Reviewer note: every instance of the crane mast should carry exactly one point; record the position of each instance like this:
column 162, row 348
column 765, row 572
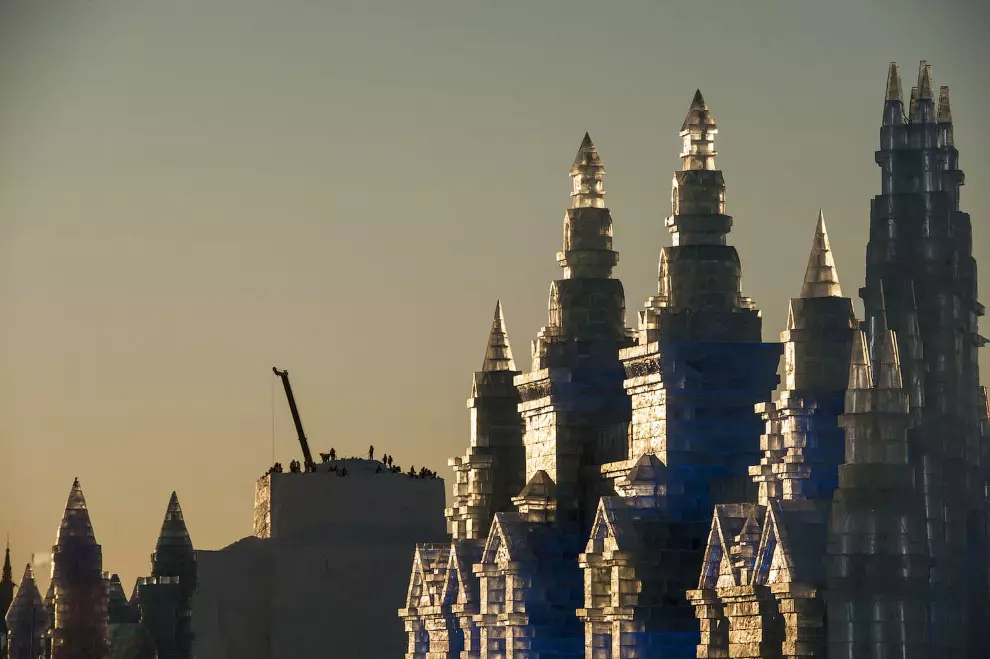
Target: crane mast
column 284, row 376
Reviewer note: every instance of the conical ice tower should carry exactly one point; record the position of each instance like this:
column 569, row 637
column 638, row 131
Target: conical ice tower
column 80, row 593
column 27, row 620
column 174, row 562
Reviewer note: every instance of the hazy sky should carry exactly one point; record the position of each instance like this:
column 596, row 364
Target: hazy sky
column 193, row 191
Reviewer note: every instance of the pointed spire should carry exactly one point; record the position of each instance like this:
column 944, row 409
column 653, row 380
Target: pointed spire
column 174, row 533
column 498, row 354
column 75, row 520
column 698, row 134
column 887, row 367
column 876, row 322
column 820, row 278
column 893, row 106
column 8, row 574
column 860, row 372
column 926, row 90
column 944, row 118
column 912, row 103
column 894, row 84
column 698, row 113
column 944, row 107
column 923, row 110
column 27, row 611
column 587, row 177
column 913, row 368
column 118, row 610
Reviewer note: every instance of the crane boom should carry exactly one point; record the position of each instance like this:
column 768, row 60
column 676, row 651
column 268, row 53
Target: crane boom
column 284, row 376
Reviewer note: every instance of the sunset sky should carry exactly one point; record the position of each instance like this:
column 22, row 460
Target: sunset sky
column 193, row 191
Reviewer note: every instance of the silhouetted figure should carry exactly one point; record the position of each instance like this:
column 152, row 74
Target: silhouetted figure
column 371, row 452
column 325, row 457
column 294, row 466
column 333, row 454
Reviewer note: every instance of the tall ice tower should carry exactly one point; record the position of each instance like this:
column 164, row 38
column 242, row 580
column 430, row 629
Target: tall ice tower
column 573, row 404
column 700, row 366
column 919, row 262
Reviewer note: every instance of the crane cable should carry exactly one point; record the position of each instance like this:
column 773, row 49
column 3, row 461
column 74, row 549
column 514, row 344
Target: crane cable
column 273, row 421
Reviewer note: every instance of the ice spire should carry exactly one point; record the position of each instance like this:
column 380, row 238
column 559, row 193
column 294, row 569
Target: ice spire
column 924, row 110
column 944, row 107
column 498, row 354
column 173, row 539
column 588, row 177
column 893, row 107
column 894, row 84
column 8, row 574
column 6, row 585
column 945, row 136
column 913, row 366
column 876, row 324
column 698, row 133
column 860, row 371
column 820, row 278
column 27, row 620
column 118, row 610
column 888, row 367
column 75, row 520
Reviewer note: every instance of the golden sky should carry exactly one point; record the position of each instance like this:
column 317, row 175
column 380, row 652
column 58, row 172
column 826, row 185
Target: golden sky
column 194, row 191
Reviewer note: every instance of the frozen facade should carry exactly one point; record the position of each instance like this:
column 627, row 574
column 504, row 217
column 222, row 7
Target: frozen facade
column 85, row 612
column 670, row 505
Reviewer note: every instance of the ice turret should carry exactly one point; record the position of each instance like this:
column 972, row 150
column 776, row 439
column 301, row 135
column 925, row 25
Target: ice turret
column 27, row 620
column 944, row 117
column 802, row 444
column 174, row 560
column 923, row 111
column 821, row 279
column 887, row 365
column 876, row 322
column 698, row 134
column 588, row 177
column 492, row 470
column 893, row 107
column 587, row 251
column 80, row 630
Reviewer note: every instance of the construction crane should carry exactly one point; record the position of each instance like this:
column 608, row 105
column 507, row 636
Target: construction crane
column 284, row 375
